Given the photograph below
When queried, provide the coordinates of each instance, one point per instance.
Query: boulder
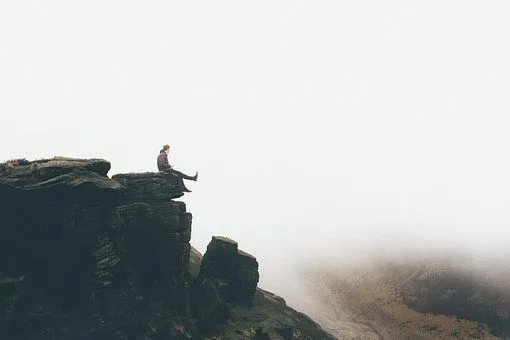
(227, 277)
(224, 261)
(220, 312)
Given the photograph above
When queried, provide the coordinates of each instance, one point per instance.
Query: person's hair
(166, 147)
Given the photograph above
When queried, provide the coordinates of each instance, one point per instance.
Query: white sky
(314, 125)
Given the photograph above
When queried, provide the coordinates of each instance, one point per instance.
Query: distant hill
(426, 298)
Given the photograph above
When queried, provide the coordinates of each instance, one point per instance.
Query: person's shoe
(186, 190)
(195, 177)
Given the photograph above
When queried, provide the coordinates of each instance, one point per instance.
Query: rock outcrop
(227, 277)
(263, 316)
(232, 269)
(59, 178)
(83, 256)
(150, 186)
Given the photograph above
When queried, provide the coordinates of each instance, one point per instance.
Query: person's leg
(191, 178)
(178, 175)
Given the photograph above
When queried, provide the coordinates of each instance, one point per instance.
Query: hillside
(431, 297)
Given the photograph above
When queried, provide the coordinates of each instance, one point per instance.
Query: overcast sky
(314, 125)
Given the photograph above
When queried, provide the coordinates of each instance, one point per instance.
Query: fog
(319, 129)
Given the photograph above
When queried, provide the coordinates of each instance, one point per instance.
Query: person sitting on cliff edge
(163, 165)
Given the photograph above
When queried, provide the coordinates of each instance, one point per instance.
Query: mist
(318, 130)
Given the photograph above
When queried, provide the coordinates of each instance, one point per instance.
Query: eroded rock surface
(150, 186)
(60, 177)
(232, 269)
(255, 313)
(83, 256)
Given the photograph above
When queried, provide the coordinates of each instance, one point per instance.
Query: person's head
(166, 148)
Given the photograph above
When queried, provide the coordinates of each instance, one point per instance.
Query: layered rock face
(86, 257)
(232, 268)
(227, 276)
(83, 256)
(150, 186)
(228, 304)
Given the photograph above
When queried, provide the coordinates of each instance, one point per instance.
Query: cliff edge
(85, 256)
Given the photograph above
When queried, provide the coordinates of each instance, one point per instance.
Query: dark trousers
(180, 174)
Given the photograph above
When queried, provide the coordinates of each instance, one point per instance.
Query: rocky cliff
(83, 256)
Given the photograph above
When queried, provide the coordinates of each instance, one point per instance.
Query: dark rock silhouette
(227, 276)
(253, 314)
(150, 186)
(231, 268)
(83, 256)
(195, 260)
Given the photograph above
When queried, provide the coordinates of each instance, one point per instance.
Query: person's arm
(167, 165)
